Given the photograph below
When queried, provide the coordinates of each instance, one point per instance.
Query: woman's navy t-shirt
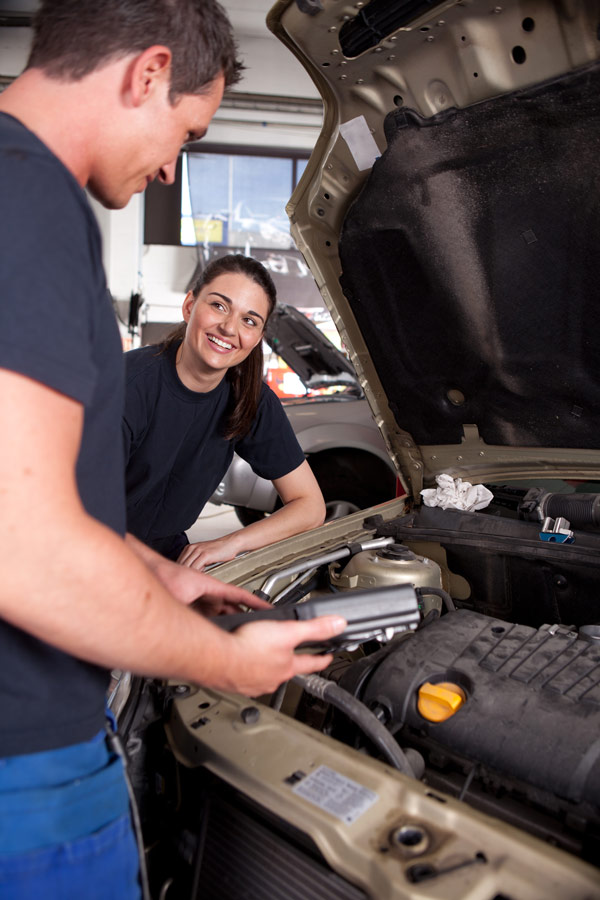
(174, 450)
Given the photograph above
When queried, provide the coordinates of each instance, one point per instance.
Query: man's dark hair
(74, 37)
(246, 378)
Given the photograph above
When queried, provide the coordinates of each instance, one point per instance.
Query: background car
(332, 421)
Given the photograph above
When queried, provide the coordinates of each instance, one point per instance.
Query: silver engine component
(384, 566)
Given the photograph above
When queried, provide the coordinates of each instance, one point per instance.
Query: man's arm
(303, 508)
(84, 591)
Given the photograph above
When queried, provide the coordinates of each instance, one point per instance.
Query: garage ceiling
(249, 22)
(247, 16)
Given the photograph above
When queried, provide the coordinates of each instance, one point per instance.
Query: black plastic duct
(378, 20)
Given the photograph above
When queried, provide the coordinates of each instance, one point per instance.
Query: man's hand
(211, 596)
(187, 585)
(263, 654)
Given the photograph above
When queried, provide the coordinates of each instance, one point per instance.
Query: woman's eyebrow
(228, 300)
(222, 296)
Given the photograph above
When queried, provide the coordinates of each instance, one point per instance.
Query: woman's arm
(303, 508)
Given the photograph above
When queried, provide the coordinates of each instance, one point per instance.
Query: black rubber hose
(300, 591)
(360, 715)
(581, 510)
(422, 592)
(277, 698)
(431, 616)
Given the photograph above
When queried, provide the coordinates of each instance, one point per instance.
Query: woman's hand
(203, 553)
(303, 508)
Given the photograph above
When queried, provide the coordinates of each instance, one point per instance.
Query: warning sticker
(361, 142)
(336, 794)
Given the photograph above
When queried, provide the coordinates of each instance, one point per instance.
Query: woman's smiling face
(225, 322)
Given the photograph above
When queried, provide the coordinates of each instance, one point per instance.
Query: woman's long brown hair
(246, 378)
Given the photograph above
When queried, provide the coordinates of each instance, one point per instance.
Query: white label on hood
(336, 794)
(361, 142)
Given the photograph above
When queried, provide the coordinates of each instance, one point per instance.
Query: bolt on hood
(450, 215)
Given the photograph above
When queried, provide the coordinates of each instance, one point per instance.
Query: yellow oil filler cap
(438, 702)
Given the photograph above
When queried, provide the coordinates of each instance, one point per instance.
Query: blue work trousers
(65, 826)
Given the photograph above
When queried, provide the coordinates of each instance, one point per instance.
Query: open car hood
(307, 351)
(449, 214)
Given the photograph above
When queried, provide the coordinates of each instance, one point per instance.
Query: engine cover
(532, 699)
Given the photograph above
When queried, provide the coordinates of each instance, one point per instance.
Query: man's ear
(149, 70)
(188, 303)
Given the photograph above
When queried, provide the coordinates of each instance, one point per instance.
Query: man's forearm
(99, 601)
(154, 561)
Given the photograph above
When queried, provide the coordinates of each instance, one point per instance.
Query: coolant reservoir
(394, 564)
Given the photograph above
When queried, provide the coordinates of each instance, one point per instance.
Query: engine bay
(496, 690)
(488, 696)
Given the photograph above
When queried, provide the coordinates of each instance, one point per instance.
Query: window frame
(162, 206)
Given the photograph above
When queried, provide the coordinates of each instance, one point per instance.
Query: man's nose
(166, 173)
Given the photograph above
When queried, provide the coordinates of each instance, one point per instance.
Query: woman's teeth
(219, 343)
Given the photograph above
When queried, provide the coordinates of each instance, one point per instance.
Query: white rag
(454, 493)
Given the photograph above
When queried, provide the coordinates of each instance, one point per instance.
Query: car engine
(504, 714)
(522, 747)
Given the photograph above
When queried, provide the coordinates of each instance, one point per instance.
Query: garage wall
(271, 71)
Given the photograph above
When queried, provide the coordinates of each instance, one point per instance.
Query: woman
(193, 400)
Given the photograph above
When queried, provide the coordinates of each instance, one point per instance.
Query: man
(111, 92)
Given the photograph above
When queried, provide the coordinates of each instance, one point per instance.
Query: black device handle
(368, 613)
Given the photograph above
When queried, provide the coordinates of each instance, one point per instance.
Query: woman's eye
(251, 322)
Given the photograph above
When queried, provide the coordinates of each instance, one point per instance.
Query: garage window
(235, 200)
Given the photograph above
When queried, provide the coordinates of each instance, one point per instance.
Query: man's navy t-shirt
(174, 448)
(57, 326)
